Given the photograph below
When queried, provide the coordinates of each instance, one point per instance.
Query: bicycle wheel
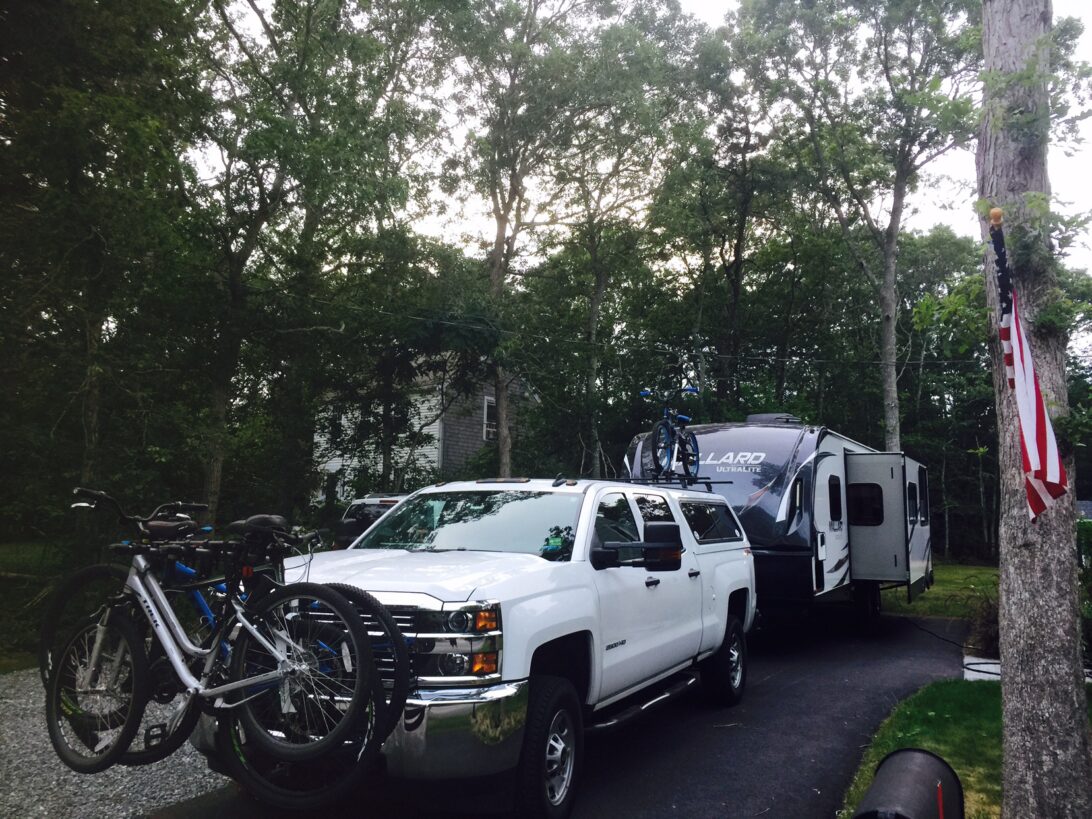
(661, 438)
(690, 457)
(96, 694)
(304, 785)
(80, 598)
(328, 665)
(391, 655)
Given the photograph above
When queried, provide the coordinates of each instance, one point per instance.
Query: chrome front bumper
(458, 732)
(444, 733)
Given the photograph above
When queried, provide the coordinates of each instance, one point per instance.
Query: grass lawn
(957, 591)
(960, 721)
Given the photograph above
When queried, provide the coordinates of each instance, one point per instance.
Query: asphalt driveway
(816, 693)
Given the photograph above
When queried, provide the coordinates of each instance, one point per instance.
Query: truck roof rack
(682, 481)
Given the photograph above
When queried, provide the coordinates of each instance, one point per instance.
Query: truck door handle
(652, 581)
(693, 573)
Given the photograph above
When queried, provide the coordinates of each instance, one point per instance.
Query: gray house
(449, 432)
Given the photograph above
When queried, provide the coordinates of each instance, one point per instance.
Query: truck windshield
(538, 523)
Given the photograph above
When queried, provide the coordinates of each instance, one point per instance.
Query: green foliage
(216, 278)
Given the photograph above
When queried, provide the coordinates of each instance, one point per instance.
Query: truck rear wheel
(553, 750)
(724, 673)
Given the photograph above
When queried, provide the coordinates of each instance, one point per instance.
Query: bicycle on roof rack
(673, 448)
(291, 663)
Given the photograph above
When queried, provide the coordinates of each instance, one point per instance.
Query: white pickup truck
(537, 610)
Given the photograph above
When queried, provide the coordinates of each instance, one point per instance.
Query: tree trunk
(1047, 767)
(889, 302)
(92, 401)
(944, 503)
(591, 387)
(498, 269)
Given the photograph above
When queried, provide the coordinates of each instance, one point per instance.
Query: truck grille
(382, 652)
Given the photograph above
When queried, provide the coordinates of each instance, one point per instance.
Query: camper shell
(828, 517)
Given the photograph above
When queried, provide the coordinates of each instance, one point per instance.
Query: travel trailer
(828, 518)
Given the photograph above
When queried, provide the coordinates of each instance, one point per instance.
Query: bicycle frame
(172, 636)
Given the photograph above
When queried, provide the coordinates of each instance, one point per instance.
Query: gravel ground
(34, 782)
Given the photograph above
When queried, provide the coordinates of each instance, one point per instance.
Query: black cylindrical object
(912, 783)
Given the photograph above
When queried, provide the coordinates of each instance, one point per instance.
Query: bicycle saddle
(258, 524)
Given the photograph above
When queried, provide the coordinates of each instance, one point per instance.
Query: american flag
(1044, 475)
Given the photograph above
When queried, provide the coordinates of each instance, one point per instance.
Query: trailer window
(614, 521)
(912, 503)
(711, 522)
(796, 496)
(834, 487)
(654, 508)
(864, 502)
(923, 499)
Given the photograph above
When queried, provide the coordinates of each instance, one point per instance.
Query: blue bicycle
(673, 448)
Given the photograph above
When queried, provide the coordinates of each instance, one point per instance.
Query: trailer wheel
(866, 598)
(724, 673)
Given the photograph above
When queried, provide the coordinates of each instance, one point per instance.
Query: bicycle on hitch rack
(291, 662)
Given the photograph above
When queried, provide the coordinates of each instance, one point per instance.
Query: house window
(489, 425)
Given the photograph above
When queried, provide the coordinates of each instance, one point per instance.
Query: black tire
(300, 718)
(296, 786)
(660, 439)
(724, 672)
(390, 653)
(89, 730)
(79, 599)
(690, 455)
(868, 603)
(553, 750)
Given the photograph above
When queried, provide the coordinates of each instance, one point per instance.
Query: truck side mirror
(603, 555)
(662, 547)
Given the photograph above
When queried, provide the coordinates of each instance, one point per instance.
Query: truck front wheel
(553, 750)
(724, 673)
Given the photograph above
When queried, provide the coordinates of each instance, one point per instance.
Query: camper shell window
(864, 502)
(711, 522)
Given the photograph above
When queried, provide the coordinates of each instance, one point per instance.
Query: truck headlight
(453, 665)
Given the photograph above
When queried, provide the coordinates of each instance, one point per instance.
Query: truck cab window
(654, 508)
(711, 522)
(614, 521)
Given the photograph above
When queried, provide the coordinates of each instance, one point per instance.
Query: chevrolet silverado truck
(539, 610)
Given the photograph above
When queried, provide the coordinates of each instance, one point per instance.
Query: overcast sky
(948, 197)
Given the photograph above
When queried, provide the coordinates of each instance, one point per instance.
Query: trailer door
(917, 525)
(876, 508)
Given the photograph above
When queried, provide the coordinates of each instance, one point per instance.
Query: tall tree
(522, 76)
(880, 91)
(1047, 768)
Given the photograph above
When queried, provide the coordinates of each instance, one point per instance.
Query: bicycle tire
(661, 439)
(294, 786)
(74, 717)
(389, 651)
(691, 458)
(80, 598)
(313, 710)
